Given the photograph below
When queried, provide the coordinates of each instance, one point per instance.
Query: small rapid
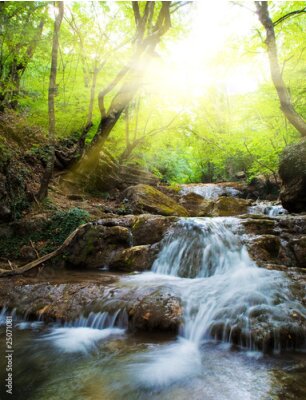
(226, 299)
(225, 294)
(267, 208)
(210, 191)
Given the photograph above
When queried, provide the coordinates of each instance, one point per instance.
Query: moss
(147, 198)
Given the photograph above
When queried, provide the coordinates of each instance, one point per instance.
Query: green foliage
(52, 233)
(180, 134)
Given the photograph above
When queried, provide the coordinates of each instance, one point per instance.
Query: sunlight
(203, 59)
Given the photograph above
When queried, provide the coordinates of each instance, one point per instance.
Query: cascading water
(267, 208)
(229, 291)
(225, 296)
(210, 191)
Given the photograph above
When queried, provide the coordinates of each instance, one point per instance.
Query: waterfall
(225, 294)
(202, 247)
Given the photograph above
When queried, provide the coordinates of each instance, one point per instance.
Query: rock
(228, 206)
(264, 188)
(95, 245)
(149, 229)
(259, 225)
(298, 247)
(293, 224)
(120, 243)
(268, 250)
(158, 309)
(147, 308)
(196, 205)
(292, 171)
(145, 198)
(137, 258)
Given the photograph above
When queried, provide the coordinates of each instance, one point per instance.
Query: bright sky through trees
(201, 59)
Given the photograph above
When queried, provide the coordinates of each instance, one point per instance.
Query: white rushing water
(210, 191)
(267, 208)
(84, 334)
(225, 295)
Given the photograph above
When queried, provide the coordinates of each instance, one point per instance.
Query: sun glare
(203, 59)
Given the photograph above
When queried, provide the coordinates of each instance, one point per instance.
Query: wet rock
(259, 225)
(298, 246)
(149, 229)
(228, 206)
(268, 250)
(137, 258)
(196, 205)
(145, 198)
(293, 224)
(147, 308)
(158, 309)
(292, 171)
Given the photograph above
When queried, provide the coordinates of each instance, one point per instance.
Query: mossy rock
(228, 206)
(145, 198)
(196, 205)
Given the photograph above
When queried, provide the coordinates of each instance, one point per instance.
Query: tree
(283, 94)
(43, 191)
(151, 25)
(21, 27)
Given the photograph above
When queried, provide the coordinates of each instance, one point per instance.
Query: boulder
(95, 245)
(156, 309)
(298, 247)
(149, 229)
(264, 188)
(196, 205)
(268, 250)
(228, 206)
(145, 198)
(137, 258)
(292, 171)
(127, 243)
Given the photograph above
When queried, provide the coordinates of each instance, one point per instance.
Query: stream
(227, 299)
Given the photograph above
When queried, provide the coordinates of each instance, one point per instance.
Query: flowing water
(267, 208)
(229, 305)
(210, 191)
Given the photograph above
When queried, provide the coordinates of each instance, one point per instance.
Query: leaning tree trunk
(134, 72)
(284, 97)
(43, 191)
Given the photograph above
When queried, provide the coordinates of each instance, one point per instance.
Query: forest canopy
(183, 89)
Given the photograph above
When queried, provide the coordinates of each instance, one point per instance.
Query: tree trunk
(283, 94)
(43, 191)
